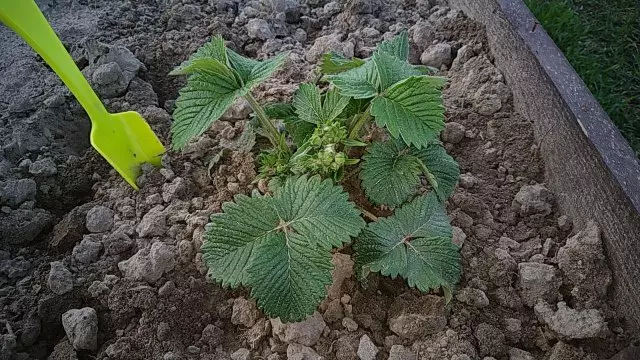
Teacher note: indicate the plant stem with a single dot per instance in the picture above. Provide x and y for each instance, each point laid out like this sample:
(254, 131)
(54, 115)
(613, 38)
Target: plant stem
(369, 215)
(359, 123)
(265, 122)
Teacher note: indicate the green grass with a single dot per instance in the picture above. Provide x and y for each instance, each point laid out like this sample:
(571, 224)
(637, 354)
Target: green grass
(601, 40)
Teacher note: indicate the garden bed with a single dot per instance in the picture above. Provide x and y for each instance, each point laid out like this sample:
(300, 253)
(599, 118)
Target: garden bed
(133, 257)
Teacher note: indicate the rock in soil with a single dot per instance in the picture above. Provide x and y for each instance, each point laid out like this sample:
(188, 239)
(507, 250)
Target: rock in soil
(367, 350)
(572, 324)
(538, 282)
(60, 279)
(305, 332)
(81, 326)
(245, 312)
(491, 340)
(583, 263)
(412, 317)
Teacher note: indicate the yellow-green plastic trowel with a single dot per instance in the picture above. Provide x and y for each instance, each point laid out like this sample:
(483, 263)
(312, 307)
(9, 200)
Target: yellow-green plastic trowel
(125, 140)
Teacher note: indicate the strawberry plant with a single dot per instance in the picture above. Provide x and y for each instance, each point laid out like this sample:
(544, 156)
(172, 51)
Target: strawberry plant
(376, 119)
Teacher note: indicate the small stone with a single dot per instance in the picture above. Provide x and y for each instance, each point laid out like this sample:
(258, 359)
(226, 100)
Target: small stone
(212, 336)
(533, 199)
(60, 280)
(327, 43)
(538, 282)
(306, 332)
(367, 350)
(109, 80)
(99, 219)
(241, 354)
(584, 264)
(149, 266)
(413, 317)
(334, 311)
(349, 324)
(153, 223)
(43, 167)
(437, 55)
(174, 190)
(423, 35)
(259, 29)
(81, 327)
(15, 192)
(399, 352)
(491, 340)
(518, 354)
(245, 312)
(87, 251)
(193, 350)
(473, 297)
(233, 187)
(257, 333)
(453, 132)
(301, 352)
(572, 324)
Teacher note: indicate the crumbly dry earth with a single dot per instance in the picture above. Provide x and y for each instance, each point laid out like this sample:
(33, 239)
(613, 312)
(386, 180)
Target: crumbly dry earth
(75, 236)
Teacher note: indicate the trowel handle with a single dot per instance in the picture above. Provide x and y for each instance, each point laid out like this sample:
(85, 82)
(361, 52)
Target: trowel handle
(24, 17)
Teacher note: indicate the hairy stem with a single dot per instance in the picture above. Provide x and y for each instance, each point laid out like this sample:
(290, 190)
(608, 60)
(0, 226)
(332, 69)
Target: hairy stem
(369, 215)
(265, 122)
(359, 123)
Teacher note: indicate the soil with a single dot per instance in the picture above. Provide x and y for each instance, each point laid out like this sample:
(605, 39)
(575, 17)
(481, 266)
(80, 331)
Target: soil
(82, 214)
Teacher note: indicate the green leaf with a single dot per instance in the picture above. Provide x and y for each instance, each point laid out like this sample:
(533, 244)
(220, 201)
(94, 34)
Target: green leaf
(390, 173)
(334, 63)
(214, 49)
(207, 95)
(412, 109)
(333, 104)
(391, 69)
(308, 103)
(443, 167)
(397, 46)
(359, 83)
(281, 245)
(311, 107)
(414, 243)
(253, 72)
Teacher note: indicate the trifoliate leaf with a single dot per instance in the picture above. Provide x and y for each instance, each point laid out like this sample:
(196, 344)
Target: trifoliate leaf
(214, 49)
(391, 171)
(391, 69)
(444, 169)
(213, 86)
(253, 72)
(207, 95)
(412, 110)
(281, 245)
(397, 46)
(334, 63)
(414, 243)
(359, 83)
(311, 107)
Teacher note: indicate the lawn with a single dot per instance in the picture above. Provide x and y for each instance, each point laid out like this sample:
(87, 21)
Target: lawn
(601, 41)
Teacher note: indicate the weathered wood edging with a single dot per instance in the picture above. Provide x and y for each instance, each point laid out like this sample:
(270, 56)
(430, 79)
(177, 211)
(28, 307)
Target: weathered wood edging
(589, 165)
